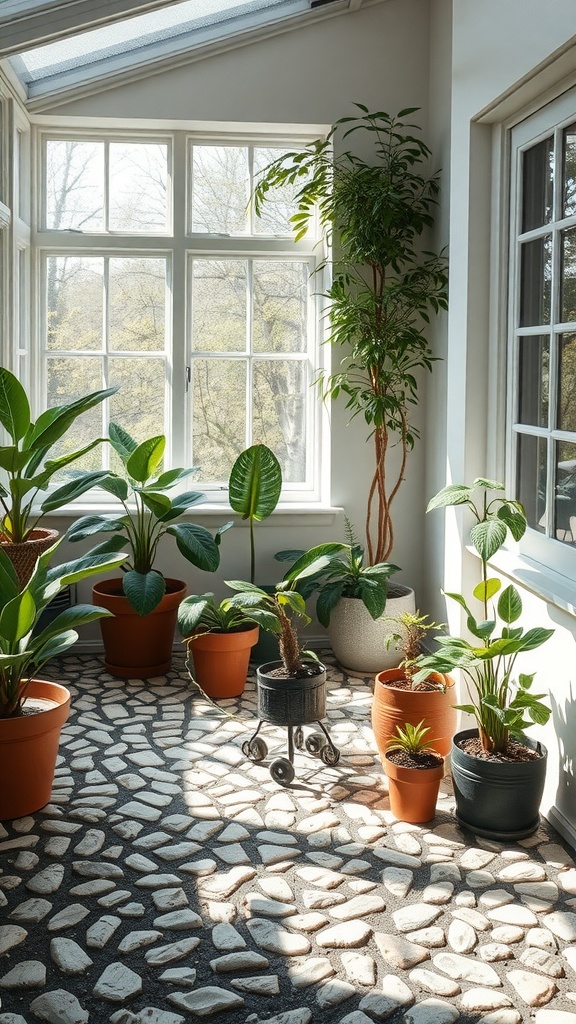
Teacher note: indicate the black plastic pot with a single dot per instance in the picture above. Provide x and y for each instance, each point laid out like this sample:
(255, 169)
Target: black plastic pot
(496, 799)
(300, 700)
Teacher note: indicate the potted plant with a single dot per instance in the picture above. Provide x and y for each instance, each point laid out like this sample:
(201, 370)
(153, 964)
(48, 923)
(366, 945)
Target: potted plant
(352, 598)
(415, 770)
(498, 773)
(385, 286)
(30, 466)
(219, 637)
(138, 640)
(254, 489)
(399, 699)
(33, 711)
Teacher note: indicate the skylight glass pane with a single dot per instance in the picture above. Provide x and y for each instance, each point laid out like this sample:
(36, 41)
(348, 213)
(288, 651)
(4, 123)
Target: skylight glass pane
(190, 22)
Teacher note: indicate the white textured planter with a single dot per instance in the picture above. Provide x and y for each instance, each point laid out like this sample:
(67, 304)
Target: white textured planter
(359, 641)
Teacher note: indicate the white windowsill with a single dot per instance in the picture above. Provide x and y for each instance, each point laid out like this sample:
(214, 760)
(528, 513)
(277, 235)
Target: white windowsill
(284, 515)
(546, 583)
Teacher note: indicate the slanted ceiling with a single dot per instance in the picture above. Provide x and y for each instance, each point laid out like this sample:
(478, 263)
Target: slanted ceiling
(63, 47)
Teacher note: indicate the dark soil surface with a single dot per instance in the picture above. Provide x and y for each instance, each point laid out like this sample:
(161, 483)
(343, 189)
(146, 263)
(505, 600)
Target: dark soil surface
(406, 684)
(423, 759)
(515, 751)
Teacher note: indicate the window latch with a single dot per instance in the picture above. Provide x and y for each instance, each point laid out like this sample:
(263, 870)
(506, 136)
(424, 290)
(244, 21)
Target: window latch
(188, 378)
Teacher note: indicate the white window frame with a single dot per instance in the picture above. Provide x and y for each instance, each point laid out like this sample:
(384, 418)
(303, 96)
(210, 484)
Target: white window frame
(182, 246)
(553, 554)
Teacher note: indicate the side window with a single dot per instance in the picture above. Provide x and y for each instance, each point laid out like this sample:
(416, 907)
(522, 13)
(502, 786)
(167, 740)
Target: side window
(542, 404)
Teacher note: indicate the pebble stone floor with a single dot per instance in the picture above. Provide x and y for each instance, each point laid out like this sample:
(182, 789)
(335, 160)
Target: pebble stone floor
(171, 880)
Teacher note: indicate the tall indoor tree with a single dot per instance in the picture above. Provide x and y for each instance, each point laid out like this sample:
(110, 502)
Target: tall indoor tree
(384, 287)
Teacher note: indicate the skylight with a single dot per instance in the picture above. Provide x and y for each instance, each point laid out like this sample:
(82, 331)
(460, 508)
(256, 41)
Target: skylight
(144, 38)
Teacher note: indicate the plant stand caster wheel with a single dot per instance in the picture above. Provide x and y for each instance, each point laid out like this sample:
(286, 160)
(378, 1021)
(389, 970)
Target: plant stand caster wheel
(282, 771)
(330, 755)
(315, 744)
(255, 749)
(298, 737)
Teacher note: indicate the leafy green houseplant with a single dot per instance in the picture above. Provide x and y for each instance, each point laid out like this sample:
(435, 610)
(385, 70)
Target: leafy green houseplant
(219, 637)
(28, 469)
(254, 489)
(501, 697)
(385, 286)
(149, 513)
(414, 769)
(32, 711)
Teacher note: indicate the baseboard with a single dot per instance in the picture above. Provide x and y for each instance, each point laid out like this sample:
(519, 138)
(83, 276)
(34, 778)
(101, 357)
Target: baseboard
(562, 825)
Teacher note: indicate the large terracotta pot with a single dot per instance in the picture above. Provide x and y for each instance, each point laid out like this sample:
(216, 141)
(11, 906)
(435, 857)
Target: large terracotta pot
(392, 706)
(221, 661)
(359, 642)
(28, 751)
(413, 792)
(137, 646)
(25, 555)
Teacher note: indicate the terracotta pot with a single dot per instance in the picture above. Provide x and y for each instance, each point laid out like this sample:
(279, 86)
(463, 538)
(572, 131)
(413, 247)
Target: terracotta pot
(392, 706)
(221, 661)
(28, 750)
(359, 641)
(137, 646)
(413, 792)
(25, 555)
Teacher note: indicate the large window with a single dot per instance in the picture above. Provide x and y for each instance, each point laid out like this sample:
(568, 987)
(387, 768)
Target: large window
(542, 407)
(155, 275)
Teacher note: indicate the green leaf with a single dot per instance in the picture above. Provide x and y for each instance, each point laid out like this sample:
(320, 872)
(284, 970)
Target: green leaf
(373, 597)
(328, 598)
(514, 518)
(294, 600)
(72, 490)
(70, 618)
(17, 617)
(145, 459)
(190, 612)
(488, 537)
(181, 504)
(157, 503)
(144, 590)
(535, 638)
(52, 424)
(14, 405)
(486, 589)
(197, 545)
(115, 485)
(172, 476)
(453, 494)
(314, 561)
(488, 485)
(121, 441)
(87, 526)
(510, 605)
(255, 483)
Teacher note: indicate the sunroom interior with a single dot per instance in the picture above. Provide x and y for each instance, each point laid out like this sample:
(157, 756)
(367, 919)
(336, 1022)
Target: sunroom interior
(143, 84)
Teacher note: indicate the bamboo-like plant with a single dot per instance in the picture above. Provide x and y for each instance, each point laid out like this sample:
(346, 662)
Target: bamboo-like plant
(384, 285)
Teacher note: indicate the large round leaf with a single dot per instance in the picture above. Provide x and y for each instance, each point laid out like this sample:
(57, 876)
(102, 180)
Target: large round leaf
(144, 590)
(255, 483)
(197, 545)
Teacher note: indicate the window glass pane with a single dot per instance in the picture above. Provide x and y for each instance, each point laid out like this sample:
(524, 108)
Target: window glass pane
(219, 306)
(565, 508)
(567, 382)
(219, 416)
(74, 186)
(533, 380)
(569, 170)
(220, 189)
(568, 280)
(139, 405)
(74, 290)
(531, 479)
(67, 380)
(279, 413)
(537, 184)
(535, 281)
(280, 308)
(138, 186)
(137, 291)
(280, 206)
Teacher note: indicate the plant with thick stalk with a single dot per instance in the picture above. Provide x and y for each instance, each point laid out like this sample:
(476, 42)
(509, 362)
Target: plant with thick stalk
(384, 285)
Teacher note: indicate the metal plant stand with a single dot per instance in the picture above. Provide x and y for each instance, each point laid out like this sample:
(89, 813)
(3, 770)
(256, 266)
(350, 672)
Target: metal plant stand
(282, 768)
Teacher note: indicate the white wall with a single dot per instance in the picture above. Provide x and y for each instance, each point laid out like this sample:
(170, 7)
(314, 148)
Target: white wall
(504, 56)
(377, 56)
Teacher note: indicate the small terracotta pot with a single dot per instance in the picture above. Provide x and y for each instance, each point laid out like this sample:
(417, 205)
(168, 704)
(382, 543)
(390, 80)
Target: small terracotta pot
(25, 555)
(28, 750)
(393, 706)
(221, 661)
(413, 792)
(137, 646)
